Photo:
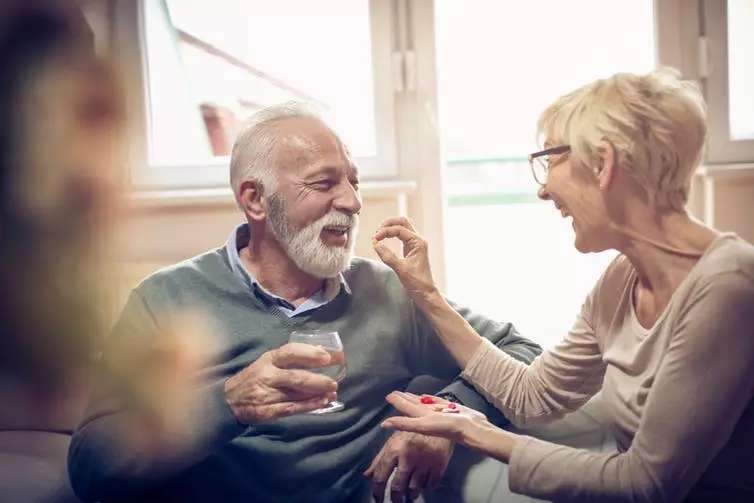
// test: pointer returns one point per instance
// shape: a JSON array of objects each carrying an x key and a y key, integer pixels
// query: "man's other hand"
[
  {"x": 419, "y": 462},
  {"x": 277, "y": 385}
]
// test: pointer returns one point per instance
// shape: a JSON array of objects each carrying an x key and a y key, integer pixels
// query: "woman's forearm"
[
  {"x": 492, "y": 441},
  {"x": 455, "y": 333}
]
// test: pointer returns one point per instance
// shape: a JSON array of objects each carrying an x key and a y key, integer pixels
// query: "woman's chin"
[
  {"x": 588, "y": 244},
  {"x": 580, "y": 245}
]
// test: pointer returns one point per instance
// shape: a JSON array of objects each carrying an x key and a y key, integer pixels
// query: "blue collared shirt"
[{"x": 238, "y": 240}]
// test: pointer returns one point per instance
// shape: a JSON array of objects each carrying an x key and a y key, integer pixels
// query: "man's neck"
[{"x": 276, "y": 272}]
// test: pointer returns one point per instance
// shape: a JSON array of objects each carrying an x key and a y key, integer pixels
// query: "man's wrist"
[{"x": 229, "y": 402}]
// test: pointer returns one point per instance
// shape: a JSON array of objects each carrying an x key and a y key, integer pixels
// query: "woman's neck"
[{"x": 663, "y": 249}]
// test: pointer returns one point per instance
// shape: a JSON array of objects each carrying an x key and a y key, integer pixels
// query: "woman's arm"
[
  {"x": 414, "y": 271},
  {"x": 700, "y": 393},
  {"x": 461, "y": 424},
  {"x": 557, "y": 382},
  {"x": 455, "y": 333}
]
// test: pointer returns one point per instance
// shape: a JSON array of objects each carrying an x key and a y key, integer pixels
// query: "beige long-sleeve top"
[{"x": 678, "y": 395}]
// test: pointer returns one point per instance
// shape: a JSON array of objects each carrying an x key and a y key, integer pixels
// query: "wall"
[{"x": 724, "y": 199}]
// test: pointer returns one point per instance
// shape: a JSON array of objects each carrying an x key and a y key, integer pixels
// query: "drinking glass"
[{"x": 329, "y": 340}]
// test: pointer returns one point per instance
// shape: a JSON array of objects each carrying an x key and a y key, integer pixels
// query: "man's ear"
[
  {"x": 605, "y": 168},
  {"x": 251, "y": 199}
]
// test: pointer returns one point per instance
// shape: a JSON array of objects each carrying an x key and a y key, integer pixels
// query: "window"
[
  {"x": 206, "y": 66},
  {"x": 729, "y": 79},
  {"x": 507, "y": 253}
]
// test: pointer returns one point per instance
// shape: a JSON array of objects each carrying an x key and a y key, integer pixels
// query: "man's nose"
[{"x": 348, "y": 200}]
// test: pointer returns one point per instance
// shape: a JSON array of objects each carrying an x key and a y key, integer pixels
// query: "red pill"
[
  {"x": 451, "y": 405},
  {"x": 427, "y": 400}
]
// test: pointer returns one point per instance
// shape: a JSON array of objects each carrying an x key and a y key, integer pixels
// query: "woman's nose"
[{"x": 543, "y": 194}]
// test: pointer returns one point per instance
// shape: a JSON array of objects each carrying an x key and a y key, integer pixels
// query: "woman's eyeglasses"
[{"x": 540, "y": 162}]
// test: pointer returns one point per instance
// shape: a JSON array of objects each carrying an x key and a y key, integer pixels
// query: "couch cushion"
[{"x": 33, "y": 467}]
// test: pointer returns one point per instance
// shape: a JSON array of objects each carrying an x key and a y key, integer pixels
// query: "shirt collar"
[{"x": 240, "y": 237}]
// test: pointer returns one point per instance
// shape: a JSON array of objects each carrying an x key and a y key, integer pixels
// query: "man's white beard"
[{"x": 305, "y": 246}]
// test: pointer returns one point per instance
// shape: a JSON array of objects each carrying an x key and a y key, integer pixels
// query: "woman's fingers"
[
  {"x": 400, "y": 221},
  {"x": 386, "y": 254},
  {"x": 411, "y": 406},
  {"x": 426, "y": 425},
  {"x": 396, "y": 231},
  {"x": 425, "y": 399}
]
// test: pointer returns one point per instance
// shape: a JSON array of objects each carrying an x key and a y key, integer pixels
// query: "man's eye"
[
  {"x": 355, "y": 184},
  {"x": 323, "y": 184}
]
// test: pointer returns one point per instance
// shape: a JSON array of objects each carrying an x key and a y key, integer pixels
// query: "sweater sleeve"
[
  {"x": 101, "y": 467},
  {"x": 700, "y": 392}
]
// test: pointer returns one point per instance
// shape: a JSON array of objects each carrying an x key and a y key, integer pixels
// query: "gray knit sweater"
[{"x": 305, "y": 458}]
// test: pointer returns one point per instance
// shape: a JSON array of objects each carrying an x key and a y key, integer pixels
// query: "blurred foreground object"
[{"x": 62, "y": 153}]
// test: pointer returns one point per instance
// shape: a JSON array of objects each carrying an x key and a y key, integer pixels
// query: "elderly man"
[{"x": 290, "y": 267}]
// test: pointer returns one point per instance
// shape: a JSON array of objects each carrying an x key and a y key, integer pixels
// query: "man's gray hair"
[{"x": 253, "y": 154}]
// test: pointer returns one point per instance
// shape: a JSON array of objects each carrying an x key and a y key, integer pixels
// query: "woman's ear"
[
  {"x": 251, "y": 199},
  {"x": 605, "y": 168}
]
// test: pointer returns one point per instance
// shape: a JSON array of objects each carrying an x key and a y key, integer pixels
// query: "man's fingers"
[
  {"x": 278, "y": 410},
  {"x": 418, "y": 482},
  {"x": 375, "y": 462},
  {"x": 302, "y": 383},
  {"x": 380, "y": 475},
  {"x": 432, "y": 480},
  {"x": 291, "y": 395},
  {"x": 297, "y": 355},
  {"x": 399, "y": 484}
]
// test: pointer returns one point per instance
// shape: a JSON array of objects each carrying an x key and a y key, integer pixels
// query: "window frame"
[
  {"x": 129, "y": 24},
  {"x": 721, "y": 149}
]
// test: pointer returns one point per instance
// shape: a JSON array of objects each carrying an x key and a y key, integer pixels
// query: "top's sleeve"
[
  {"x": 429, "y": 356},
  {"x": 560, "y": 380},
  {"x": 700, "y": 391}
]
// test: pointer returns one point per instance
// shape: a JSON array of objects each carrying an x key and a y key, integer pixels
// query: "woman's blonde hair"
[{"x": 655, "y": 122}]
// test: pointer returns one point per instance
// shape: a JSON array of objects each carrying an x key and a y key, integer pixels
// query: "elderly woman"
[{"x": 666, "y": 334}]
